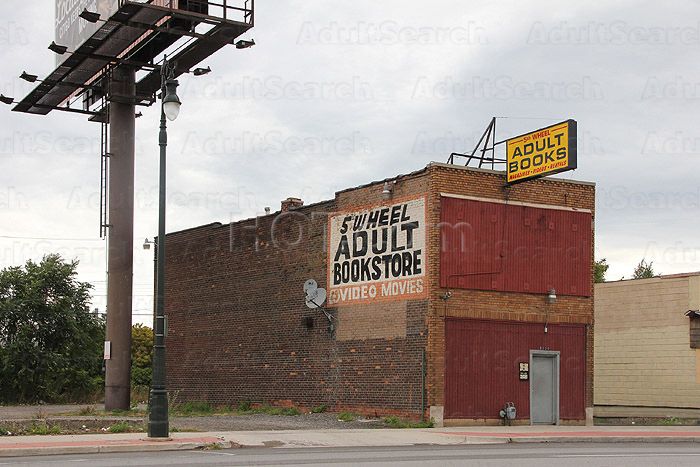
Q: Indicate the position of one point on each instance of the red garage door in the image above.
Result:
(482, 360)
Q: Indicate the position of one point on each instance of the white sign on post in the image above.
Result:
(108, 350)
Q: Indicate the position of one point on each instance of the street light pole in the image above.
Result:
(158, 424)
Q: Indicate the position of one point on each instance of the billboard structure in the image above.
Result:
(134, 34)
(529, 156)
(72, 30)
(100, 46)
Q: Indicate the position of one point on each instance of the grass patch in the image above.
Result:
(44, 429)
(90, 411)
(121, 427)
(194, 408)
(200, 409)
(133, 412)
(140, 394)
(87, 410)
(347, 417)
(671, 421)
(320, 409)
(266, 409)
(244, 406)
(291, 411)
(396, 422)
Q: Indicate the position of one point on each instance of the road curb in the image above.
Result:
(608, 439)
(105, 448)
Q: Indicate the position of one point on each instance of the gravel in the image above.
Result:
(16, 412)
(263, 422)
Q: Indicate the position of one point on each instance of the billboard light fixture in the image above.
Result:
(201, 71)
(244, 44)
(58, 49)
(6, 100)
(62, 50)
(90, 16)
(27, 77)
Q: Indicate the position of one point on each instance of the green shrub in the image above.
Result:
(120, 427)
(396, 422)
(320, 409)
(44, 429)
(347, 417)
(87, 410)
(291, 411)
(141, 355)
(269, 410)
(244, 406)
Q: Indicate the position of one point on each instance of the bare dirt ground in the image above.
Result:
(67, 417)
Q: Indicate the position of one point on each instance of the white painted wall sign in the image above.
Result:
(377, 253)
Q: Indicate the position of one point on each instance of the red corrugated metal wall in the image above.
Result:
(482, 366)
(495, 246)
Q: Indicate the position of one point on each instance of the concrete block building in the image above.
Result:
(647, 357)
(450, 293)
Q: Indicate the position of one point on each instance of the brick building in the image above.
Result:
(438, 284)
(647, 360)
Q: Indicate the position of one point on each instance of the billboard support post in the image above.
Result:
(101, 45)
(121, 240)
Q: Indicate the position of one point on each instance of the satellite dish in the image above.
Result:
(315, 295)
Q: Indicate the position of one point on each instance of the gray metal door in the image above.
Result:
(544, 387)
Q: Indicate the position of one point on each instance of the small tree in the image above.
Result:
(599, 269)
(141, 355)
(50, 343)
(644, 270)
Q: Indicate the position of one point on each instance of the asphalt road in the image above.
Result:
(559, 454)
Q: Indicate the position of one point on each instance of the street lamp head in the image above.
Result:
(146, 244)
(6, 100)
(171, 103)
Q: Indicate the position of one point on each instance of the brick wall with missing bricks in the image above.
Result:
(235, 303)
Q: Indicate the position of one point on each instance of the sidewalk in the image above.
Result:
(133, 442)
(12, 446)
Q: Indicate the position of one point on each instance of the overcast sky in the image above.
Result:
(337, 94)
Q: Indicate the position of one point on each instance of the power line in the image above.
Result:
(53, 239)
